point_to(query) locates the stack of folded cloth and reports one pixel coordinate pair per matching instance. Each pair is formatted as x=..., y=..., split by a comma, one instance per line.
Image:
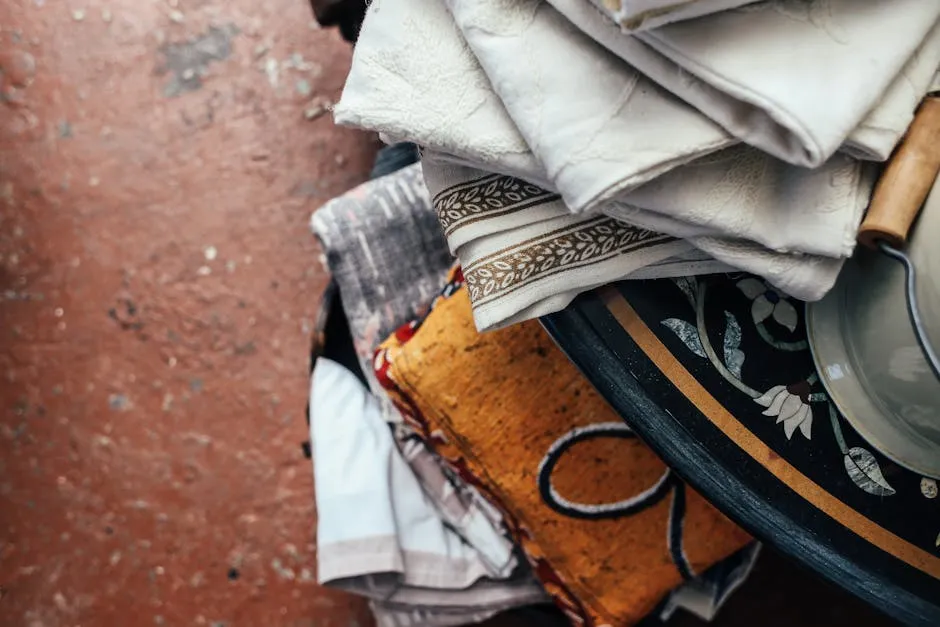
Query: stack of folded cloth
x=392, y=525
x=571, y=143
x=501, y=480
x=565, y=144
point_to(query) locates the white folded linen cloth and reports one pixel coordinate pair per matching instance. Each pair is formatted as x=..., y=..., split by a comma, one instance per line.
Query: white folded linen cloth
x=796, y=79
x=413, y=78
x=881, y=130
x=635, y=15
x=380, y=536
x=438, y=96
x=597, y=144
x=597, y=126
x=743, y=194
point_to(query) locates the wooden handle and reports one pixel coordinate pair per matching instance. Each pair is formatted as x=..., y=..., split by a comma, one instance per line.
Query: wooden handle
x=906, y=181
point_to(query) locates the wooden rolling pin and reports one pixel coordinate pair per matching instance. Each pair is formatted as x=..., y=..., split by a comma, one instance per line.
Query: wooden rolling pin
x=906, y=181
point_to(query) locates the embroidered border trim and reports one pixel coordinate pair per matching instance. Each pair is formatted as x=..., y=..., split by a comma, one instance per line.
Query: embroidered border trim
x=487, y=197
x=558, y=251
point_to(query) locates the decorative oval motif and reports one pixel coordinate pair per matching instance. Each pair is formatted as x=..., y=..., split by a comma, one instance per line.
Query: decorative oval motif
x=593, y=511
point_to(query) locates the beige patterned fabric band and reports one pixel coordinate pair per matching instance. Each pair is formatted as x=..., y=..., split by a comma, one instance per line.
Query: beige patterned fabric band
x=590, y=242
x=525, y=255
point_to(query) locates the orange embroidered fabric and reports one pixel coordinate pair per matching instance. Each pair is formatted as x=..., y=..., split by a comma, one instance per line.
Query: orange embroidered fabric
x=608, y=529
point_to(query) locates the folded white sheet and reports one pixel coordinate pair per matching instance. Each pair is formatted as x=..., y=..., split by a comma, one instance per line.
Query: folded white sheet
x=740, y=205
x=796, y=79
x=636, y=15
x=598, y=127
x=378, y=533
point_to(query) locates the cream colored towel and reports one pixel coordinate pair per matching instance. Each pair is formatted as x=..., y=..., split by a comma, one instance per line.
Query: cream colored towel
x=636, y=15
x=794, y=78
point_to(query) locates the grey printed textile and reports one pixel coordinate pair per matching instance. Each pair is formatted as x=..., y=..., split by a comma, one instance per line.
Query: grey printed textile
x=428, y=549
x=385, y=250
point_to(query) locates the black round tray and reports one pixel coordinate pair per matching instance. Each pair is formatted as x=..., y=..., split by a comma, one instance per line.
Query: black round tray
x=827, y=500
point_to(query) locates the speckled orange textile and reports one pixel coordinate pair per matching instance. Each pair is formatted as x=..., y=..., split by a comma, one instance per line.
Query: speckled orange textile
x=607, y=527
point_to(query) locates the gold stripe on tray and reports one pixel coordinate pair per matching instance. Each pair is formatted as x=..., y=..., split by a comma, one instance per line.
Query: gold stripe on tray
x=667, y=363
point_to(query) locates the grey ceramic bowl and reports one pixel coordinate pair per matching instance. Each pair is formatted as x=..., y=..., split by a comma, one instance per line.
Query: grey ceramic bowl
x=867, y=353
